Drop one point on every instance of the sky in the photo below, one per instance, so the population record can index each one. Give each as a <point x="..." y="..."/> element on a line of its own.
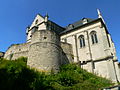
<point x="16" y="15"/>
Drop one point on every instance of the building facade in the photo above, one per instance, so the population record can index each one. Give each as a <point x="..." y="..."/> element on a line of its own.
<point x="87" y="42"/>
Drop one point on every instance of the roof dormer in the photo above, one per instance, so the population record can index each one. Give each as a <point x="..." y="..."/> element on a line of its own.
<point x="84" y="20"/>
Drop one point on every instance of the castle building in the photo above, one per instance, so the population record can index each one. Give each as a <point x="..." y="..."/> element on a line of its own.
<point x="86" y="42"/>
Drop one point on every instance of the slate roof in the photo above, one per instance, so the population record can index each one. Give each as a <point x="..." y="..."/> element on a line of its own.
<point x="77" y="24"/>
<point x="73" y="26"/>
<point x="70" y="27"/>
<point x="61" y="29"/>
<point x="80" y="22"/>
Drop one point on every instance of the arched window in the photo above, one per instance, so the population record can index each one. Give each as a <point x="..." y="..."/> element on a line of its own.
<point x="82" y="41"/>
<point x="94" y="37"/>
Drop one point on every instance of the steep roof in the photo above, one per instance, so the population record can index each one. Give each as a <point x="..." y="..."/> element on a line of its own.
<point x="80" y="22"/>
<point x="58" y="31"/>
<point x="77" y="24"/>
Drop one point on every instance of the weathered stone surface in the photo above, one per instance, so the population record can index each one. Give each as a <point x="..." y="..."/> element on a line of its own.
<point x="17" y="50"/>
<point x="44" y="51"/>
<point x="67" y="53"/>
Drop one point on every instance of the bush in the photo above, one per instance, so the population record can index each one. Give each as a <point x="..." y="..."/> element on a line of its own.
<point x="15" y="75"/>
<point x="73" y="77"/>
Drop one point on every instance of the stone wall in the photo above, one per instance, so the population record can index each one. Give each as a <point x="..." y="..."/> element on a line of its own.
<point x="17" y="50"/>
<point x="117" y="68"/>
<point x="44" y="51"/>
<point x="67" y="53"/>
<point x="105" y="68"/>
<point x="90" y="51"/>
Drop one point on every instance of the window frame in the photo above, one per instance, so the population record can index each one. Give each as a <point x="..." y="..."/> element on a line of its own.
<point x="81" y="41"/>
<point x="94" y="37"/>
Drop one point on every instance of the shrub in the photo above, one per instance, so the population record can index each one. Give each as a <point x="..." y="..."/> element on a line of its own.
<point x="15" y="75"/>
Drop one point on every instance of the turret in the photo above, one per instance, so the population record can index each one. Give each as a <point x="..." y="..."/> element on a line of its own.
<point x="39" y="23"/>
<point x="44" y="51"/>
<point x="46" y="17"/>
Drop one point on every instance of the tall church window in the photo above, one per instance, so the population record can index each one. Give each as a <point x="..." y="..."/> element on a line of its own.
<point x="94" y="37"/>
<point x="82" y="41"/>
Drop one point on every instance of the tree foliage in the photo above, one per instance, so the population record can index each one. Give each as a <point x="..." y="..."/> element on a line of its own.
<point x="15" y="75"/>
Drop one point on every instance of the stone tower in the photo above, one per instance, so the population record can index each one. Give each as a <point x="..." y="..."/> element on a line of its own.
<point x="44" y="51"/>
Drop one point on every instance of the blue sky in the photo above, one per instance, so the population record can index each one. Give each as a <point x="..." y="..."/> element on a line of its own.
<point x="16" y="15"/>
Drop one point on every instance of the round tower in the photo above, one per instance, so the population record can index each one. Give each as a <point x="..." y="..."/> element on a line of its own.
<point x="44" y="51"/>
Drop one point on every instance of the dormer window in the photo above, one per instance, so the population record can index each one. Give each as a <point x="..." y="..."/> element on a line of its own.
<point x="85" y="20"/>
<point x="70" y="26"/>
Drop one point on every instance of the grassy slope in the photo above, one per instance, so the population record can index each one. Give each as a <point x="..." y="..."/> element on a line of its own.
<point x="15" y="75"/>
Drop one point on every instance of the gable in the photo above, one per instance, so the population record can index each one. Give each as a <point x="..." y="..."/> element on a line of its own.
<point x="38" y="19"/>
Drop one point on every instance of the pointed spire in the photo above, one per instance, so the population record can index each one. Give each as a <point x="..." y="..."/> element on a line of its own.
<point x="47" y="14"/>
<point x="46" y="17"/>
<point x="100" y="16"/>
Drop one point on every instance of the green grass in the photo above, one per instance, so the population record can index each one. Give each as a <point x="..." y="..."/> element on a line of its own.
<point x="15" y="75"/>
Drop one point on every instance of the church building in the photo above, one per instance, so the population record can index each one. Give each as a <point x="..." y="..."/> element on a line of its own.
<point x="86" y="42"/>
